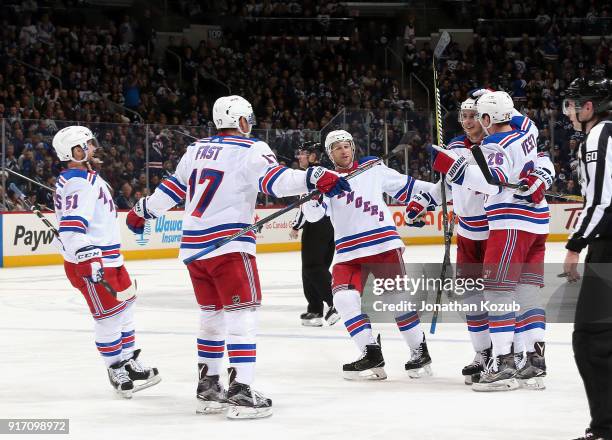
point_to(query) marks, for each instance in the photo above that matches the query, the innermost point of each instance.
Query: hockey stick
(48, 188)
(448, 229)
(47, 223)
(486, 172)
(286, 209)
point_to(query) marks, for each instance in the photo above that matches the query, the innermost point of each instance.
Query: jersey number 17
(210, 179)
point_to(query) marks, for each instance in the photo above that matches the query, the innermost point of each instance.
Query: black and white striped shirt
(299, 221)
(596, 180)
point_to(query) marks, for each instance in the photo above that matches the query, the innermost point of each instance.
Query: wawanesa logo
(143, 239)
(169, 229)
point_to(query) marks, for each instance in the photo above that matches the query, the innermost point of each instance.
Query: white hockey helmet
(68, 138)
(337, 136)
(467, 105)
(228, 110)
(498, 105)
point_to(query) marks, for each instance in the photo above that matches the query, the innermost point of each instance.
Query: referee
(317, 254)
(588, 105)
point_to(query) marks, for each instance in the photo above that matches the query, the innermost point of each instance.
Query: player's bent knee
(241, 322)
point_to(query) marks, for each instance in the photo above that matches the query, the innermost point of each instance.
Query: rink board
(26, 241)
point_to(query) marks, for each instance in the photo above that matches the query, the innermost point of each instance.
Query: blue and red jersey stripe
(367, 238)
(477, 223)
(73, 223)
(514, 211)
(266, 182)
(197, 239)
(173, 188)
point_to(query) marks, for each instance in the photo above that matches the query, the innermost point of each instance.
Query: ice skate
(332, 316)
(370, 366)
(245, 403)
(312, 319)
(531, 375)
(419, 364)
(120, 379)
(476, 367)
(142, 376)
(498, 375)
(212, 397)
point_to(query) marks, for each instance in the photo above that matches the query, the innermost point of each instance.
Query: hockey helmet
(228, 110)
(68, 138)
(467, 105)
(498, 105)
(582, 90)
(337, 136)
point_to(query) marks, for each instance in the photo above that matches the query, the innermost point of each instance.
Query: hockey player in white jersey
(365, 234)
(518, 227)
(90, 239)
(473, 231)
(219, 179)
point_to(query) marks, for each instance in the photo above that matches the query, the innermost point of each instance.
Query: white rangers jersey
(363, 224)
(219, 179)
(468, 205)
(510, 156)
(87, 216)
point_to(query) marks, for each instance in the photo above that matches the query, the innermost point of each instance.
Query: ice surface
(50, 368)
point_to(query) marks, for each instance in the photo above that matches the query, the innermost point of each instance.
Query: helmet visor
(571, 106)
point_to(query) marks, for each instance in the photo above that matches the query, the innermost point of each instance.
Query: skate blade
(500, 385)
(210, 407)
(317, 322)
(533, 383)
(245, 412)
(149, 383)
(417, 373)
(125, 394)
(332, 320)
(467, 379)
(377, 373)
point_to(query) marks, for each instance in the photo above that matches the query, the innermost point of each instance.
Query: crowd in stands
(51, 73)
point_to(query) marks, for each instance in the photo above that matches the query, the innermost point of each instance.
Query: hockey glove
(418, 205)
(534, 186)
(328, 182)
(89, 263)
(138, 215)
(449, 163)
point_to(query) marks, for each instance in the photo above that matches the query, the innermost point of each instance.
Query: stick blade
(442, 43)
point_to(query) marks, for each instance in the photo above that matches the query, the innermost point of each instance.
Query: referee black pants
(317, 255)
(592, 338)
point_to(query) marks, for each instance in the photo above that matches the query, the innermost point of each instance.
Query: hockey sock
(211, 340)
(409, 326)
(348, 305)
(128, 333)
(478, 328)
(531, 320)
(501, 321)
(109, 340)
(241, 348)
(477, 322)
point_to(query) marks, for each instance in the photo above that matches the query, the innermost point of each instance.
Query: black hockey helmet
(581, 90)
